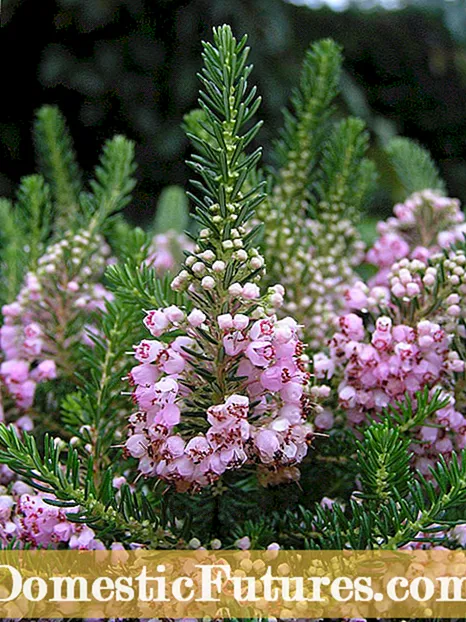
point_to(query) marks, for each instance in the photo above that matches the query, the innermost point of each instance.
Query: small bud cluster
(316, 259)
(205, 269)
(420, 275)
(381, 367)
(49, 317)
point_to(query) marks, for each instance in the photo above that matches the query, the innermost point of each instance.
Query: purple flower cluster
(424, 224)
(379, 367)
(409, 252)
(416, 312)
(38, 333)
(26, 518)
(261, 418)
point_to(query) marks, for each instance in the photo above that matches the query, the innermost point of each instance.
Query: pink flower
(12, 310)
(260, 353)
(23, 393)
(14, 371)
(267, 443)
(157, 322)
(225, 321)
(46, 370)
(136, 445)
(144, 374)
(324, 367)
(196, 318)
(356, 296)
(147, 351)
(174, 314)
(243, 543)
(240, 322)
(251, 291)
(197, 449)
(169, 416)
(269, 371)
(352, 326)
(324, 420)
(262, 329)
(388, 249)
(234, 343)
(285, 330)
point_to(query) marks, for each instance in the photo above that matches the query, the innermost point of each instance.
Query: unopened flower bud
(208, 283)
(218, 266)
(235, 289)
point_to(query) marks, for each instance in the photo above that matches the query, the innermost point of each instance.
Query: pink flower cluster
(30, 520)
(415, 289)
(419, 276)
(35, 338)
(22, 342)
(424, 224)
(261, 418)
(380, 368)
(166, 251)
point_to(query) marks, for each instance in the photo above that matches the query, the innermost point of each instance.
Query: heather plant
(231, 378)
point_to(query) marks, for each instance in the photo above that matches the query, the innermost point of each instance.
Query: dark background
(130, 66)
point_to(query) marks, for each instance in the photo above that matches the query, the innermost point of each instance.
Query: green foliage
(345, 175)
(113, 181)
(172, 211)
(97, 411)
(396, 505)
(306, 128)
(414, 166)
(13, 255)
(321, 160)
(53, 204)
(408, 415)
(221, 161)
(34, 207)
(58, 162)
(138, 285)
(72, 483)
(385, 458)
(317, 195)
(194, 122)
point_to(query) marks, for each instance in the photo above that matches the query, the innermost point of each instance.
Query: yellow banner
(224, 584)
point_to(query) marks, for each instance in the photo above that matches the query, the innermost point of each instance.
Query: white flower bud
(235, 289)
(241, 255)
(218, 266)
(429, 280)
(256, 262)
(207, 255)
(199, 268)
(208, 283)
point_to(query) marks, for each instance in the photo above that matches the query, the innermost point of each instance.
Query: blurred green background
(130, 66)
